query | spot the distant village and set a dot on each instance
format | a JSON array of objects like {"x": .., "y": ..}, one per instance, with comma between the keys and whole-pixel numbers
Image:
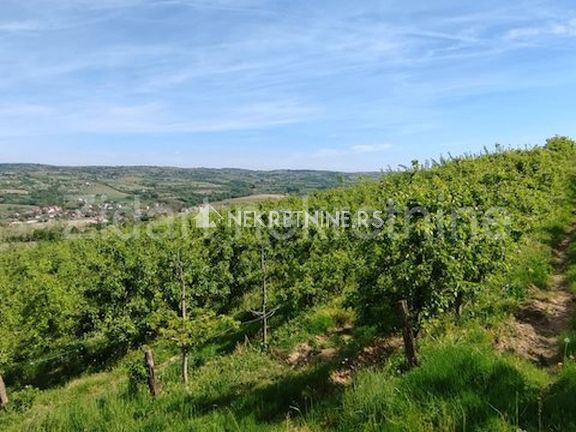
[
  {"x": 88, "y": 214},
  {"x": 96, "y": 213}
]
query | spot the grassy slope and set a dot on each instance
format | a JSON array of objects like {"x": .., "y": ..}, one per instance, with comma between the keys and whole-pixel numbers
[{"x": 462, "y": 384}]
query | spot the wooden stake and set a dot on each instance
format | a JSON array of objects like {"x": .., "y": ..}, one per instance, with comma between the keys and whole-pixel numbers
[
  {"x": 184, "y": 310},
  {"x": 264, "y": 302},
  {"x": 3, "y": 394},
  {"x": 152, "y": 384},
  {"x": 408, "y": 333},
  {"x": 459, "y": 305},
  {"x": 185, "y": 366}
]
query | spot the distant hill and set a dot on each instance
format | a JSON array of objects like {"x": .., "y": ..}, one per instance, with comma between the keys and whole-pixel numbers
[{"x": 26, "y": 186}]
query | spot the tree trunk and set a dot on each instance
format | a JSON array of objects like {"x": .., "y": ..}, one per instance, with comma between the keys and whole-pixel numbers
[
  {"x": 408, "y": 333},
  {"x": 152, "y": 384},
  {"x": 3, "y": 394}
]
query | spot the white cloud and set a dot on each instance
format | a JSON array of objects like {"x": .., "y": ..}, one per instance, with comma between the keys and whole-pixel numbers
[
  {"x": 566, "y": 29},
  {"x": 23, "y": 110},
  {"x": 20, "y": 26},
  {"x": 103, "y": 5},
  {"x": 24, "y": 120},
  {"x": 131, "y": 67},
  {"x": 227, "y": 5}
]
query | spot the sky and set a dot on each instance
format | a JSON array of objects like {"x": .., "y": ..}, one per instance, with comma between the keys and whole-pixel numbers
[{"x": 265, "y": 84}]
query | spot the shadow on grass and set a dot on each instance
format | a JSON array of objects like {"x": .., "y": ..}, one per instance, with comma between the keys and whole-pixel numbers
[
  {"x": 228, "y": 343},
  {"x": 59, "y": 368},
  {"x": 557, "y": 410},
  {"x": 292, "y": 396}
]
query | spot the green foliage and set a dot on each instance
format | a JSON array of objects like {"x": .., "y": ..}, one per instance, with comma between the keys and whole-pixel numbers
[
  {"x": 476, "y": 211},
  {"x": 189, "y": 334},
  {"x": 571, "y": 272},
  {"x": 137, "y": 374},
  {"x": 70, "y": 307},
  {"x": 102, "y": 296},
  {"x": 532, "y": 266},
  {"x": 23, "y": 399}
]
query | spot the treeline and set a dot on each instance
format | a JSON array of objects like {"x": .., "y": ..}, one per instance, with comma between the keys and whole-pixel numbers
[{"x": 444, "y": 230}]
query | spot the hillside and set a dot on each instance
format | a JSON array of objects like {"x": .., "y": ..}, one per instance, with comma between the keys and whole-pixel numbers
[
  {"x": 26, "y": 188},
  {"x": 480, "y": 247}
]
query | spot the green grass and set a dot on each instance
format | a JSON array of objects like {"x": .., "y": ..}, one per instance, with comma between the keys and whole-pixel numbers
[
  {"x": 10, "y": 209},
  {"x": 245, "y": 391},
  {"x": 559, "y": 400},
  {"x": 571, "y": 273},
  {"x": 532, "y": 267},
  {"x": 460, "y": 386},
  {"x": 90, "y": 188},
  {"x": 321, "y": 320},
  {"x": 568, "y": 339}
]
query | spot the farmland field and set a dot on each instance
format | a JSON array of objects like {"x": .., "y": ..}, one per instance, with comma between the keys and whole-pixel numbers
[{"x": 25, "y": 187}]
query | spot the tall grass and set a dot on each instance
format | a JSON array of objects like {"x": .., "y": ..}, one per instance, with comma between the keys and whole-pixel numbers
[{"x": 458, "y": 388}]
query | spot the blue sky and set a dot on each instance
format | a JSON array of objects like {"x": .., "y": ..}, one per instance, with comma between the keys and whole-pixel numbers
[{"x": 327, "y": 84}]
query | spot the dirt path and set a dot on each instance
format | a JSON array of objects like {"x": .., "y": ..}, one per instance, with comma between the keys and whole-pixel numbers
[{"x": 539, "y": 323}]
